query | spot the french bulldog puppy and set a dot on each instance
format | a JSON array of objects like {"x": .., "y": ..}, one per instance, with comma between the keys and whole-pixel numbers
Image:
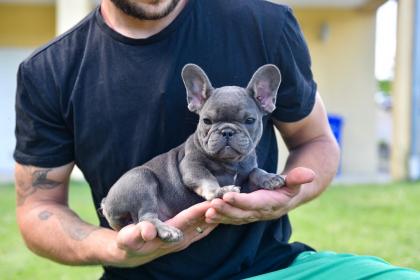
[{"x": 218, "y": 158}]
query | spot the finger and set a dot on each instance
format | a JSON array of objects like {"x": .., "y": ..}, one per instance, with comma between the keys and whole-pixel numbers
[
  {"x": 224, "y": 209},
  {"x": 147, "y": 230},
  {"x": 223, "y": 219},
  {"x": 192, "y": 234},
  {"x": 190, "y": 216},
  {"x": 199, "y": 230},
  {"x": 299, "y": 176},
  {"x": 222, "y": 212},
  {"x": 211, "y": 216},
  {"x": 243, "y": 200},
  {"x": 130, "y": 238}
]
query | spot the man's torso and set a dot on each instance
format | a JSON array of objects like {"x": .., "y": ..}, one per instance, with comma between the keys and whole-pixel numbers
[{"x": 123, "y": 102}]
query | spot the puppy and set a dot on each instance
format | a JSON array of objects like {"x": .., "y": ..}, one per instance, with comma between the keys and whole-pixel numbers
[{"x": 217, "y": 158}]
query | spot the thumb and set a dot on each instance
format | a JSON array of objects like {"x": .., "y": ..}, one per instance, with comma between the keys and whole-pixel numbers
[
  {"x": 132, "y": 237},
  {"x": 299, "y": 176}
]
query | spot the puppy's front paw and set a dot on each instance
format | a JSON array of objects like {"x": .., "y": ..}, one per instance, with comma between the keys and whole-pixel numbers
[
  {"x": 272, "y": 181},
  {"x": 221, "y": 191},
  {"x": 168, "y": 233}
]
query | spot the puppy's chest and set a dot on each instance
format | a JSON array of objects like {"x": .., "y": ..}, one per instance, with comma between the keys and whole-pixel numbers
[{"x": 230, "y": 174}]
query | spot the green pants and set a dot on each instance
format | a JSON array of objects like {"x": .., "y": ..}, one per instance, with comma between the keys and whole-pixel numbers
[{"x": 332, "y": 266}]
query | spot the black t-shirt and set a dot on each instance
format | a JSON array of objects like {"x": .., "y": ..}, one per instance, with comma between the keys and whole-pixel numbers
[{"x": 110, "y": 103}]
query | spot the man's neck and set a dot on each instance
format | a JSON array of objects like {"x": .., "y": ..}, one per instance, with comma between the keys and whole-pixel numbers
[{"x": 136, "y": 28}]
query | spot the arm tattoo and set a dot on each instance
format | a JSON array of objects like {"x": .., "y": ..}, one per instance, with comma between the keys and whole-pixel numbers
[
  {"x": 23, "y": 191},
  {"x": 71, "y": 225},
  {"x": 75, "y": 228},
  {"x": 44, "y": 215},
  {"x": 39, "y": 181}
]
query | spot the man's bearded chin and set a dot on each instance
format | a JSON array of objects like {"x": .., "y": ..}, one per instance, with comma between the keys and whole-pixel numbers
[{"x": 152, "y": 10}]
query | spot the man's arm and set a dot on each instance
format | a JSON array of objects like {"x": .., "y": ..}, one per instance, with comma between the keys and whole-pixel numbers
[
  {"x": 52, "y": 230},
  {"x": 310, "y": 167},
  {"x": 48, "y": 226},
  {"x": 311, "y": 144}
]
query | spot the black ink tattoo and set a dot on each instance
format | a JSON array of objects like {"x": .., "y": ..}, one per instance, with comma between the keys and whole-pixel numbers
[
  {"x": 23, "y": 191},
  {"x": 44, "y": 215},
  {"x": 79, "y": 233},
  {"x": 75, "y": 228},
  {"x": 40, "y": 180},
  {"x": 71, "y": 224}
]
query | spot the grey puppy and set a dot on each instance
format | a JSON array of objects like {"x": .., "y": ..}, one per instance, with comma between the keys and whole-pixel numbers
[{"x": 216, "y": 159}]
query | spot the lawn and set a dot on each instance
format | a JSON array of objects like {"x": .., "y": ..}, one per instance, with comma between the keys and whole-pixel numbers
[
  {"x": 366, "y": 219},
  {"x": 17, "y": 262}
]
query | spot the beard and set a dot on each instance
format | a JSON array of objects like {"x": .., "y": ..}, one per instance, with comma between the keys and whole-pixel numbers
[{"x": 153, "y": 11}]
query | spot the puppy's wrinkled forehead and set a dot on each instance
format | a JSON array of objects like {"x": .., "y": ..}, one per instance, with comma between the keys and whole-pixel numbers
[{"x": 230, "y": 103}]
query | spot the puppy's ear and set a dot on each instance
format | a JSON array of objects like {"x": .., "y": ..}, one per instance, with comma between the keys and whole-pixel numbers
[
  {"x": 198, "y": 86},
  {"x": 264, "y": 85}
]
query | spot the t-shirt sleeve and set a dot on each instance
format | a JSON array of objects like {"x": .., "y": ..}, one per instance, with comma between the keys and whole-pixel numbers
[
  {"x": 42, "y": 138},
  {"x": 297, "y": 92}
]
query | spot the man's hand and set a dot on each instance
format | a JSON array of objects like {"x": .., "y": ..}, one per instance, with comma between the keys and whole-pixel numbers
[
  {"x": 243, "y": 208},
  {"x": 137, "y": 243}
]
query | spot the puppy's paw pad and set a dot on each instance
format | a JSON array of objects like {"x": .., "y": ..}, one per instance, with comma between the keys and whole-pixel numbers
[
  {"x": 231, "y": 188},
  {"x": 273, "y": 181},
  {"x": 169, "y": 234},
  {"x": 221, "y": 191}
]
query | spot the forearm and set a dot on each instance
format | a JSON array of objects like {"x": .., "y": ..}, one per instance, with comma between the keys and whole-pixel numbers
[
  {"x": 54, "y": 231},
  {"x": 48, "y": 226},
  {"x": 322, "y": 156}
]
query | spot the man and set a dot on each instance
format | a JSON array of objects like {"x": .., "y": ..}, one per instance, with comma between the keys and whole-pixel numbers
[{"x": 107, "y": 96}]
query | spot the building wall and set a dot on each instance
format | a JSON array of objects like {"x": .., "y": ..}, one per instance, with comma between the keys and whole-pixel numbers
[
  {"x": 343, "y": 66},
  {"x": 401, "y": 91},
  {"x": 69, "y": 13},
  {"x": 22, "y": 28},
  {"x": 26, "y": 25}
]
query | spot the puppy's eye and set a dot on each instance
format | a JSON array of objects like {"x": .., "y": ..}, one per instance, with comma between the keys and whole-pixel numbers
[
  {"x": 249, "y": 121},
  {"x": 207, "y": 121}
]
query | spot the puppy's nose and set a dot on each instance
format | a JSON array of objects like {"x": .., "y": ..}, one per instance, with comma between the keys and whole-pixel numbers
[{"x": 228, "y": 132}]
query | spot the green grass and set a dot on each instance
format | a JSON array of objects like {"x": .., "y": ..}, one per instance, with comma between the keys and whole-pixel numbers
[
  {"x": 370, "y": 220},
  {"x": 17, "y": 262}
]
